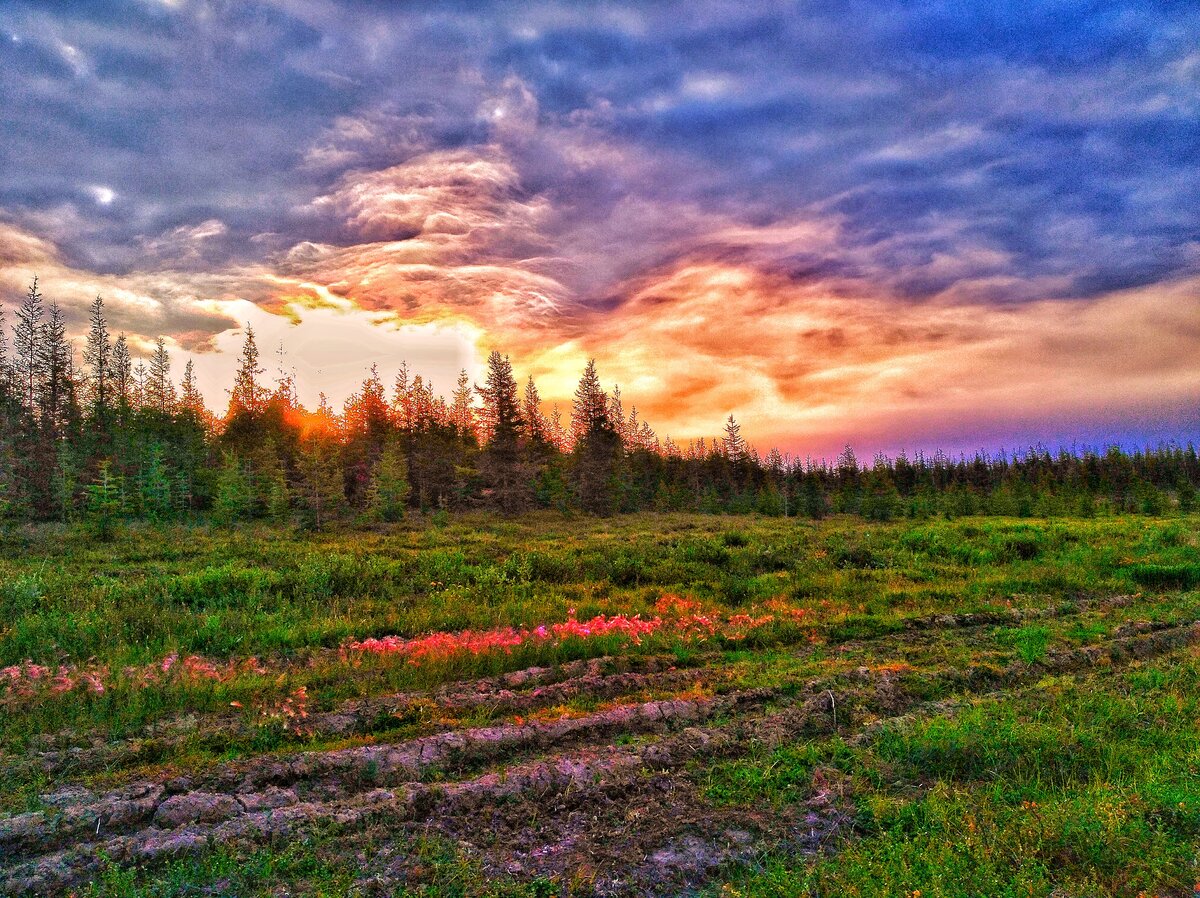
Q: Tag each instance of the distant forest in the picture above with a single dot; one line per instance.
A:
(94, 438)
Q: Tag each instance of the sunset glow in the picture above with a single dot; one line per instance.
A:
(916, 233)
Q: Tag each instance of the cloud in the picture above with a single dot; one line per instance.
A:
(903, 186)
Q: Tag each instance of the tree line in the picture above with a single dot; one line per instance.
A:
(88, 434)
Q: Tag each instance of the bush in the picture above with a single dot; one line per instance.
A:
(1166, 576)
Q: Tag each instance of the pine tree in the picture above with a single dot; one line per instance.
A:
(122, 375)
(462, 412)
(103, 509)
(590, 406)
(98, 356)
(232, 500)
(154, 486)
(499, 397)
(616, 415)
(190, 399)
(388, 493)
(402, 398)
(138, 388)
(502, 464)
(6, 375)
(272, 495)
(555, 432)
(597, 446)
(321, 489)
(27, 359)
(56, 390)
(733, 444)
(159, 391)
(531, 413)
(247, 395)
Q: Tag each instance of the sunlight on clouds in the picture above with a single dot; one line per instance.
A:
(332, 350)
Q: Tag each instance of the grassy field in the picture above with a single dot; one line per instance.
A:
(657, 704)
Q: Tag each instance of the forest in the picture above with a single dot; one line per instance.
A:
(89, 435)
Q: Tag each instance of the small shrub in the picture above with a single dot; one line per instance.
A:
(1166, 576)
(22, 595)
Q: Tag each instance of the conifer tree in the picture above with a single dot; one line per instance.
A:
(190, 399)
(502, 463)
(98, 356)
(122, 375)
(56, 393)
(590, 406)
(155, 487)
(462, 412)
(27, 359)
(388, 493)
(139, 384)
(531, 413)
(321, 489)
(247, 397)
(232, 499)
(733, 444)
(6, 377)
(597, 446)
(104, 505)
(159, 391)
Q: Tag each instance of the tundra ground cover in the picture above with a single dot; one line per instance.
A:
(643, 705)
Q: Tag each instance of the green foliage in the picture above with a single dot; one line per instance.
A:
(233, 500)
(104, 502)
(1081, 782)
(1166, 576)
(388, 493)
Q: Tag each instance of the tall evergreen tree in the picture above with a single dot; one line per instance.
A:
(27, 359)
(531, 412)
(733, 444)
(597, 446)
(6, 384)
(502, 463)
(98, 356)
(590, 406)
(247, 395)
(160, 392)
(462, 412)
(122, 375)
(56, 365)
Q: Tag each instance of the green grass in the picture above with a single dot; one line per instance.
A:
(1077, 784)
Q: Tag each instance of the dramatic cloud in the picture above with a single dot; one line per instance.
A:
(942, 218)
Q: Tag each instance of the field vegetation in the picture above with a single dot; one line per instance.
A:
(649, 704)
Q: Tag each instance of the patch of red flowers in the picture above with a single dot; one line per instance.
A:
(675, 616)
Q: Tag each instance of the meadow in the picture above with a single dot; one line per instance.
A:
(648, 704)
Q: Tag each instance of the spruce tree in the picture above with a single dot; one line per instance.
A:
(122, 375)
(190, 399)
(733, 444)
(321, 490)
(531, 413)
(597, 447)
(27, 358)
(98, 356)
(247, 394)
(5, 370)
(590, 406)
(160, 392)
(502, 463)
(232, 499)
(56, 365)
(103, 509)
(462, 412)
(388, 493)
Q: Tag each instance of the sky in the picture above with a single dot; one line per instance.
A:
(893, 224)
